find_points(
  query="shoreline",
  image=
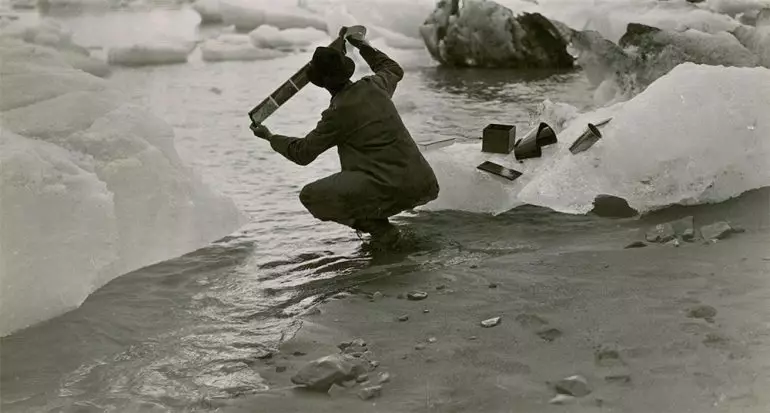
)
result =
(637, 324)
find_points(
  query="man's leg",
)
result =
(348, 198)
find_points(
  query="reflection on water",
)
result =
(175, 335)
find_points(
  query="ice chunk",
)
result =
(756, 39)
(248, 15)
(556, 115)
(59, 230)
(735, 7)
(235, 47)
(209, 11)
(610, 17)
(51, 34)
(397, 16)
(150, 54)
(455, 169)
(272, 38)
(719, 151)
(90, 188)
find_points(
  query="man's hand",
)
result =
(356, 36)
(261, 131)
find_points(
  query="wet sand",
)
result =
(633, 322)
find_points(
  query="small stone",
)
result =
(718, 230)
(321, 374)
(369, 393)
(374, 364)
(661, 233)
(299, 353)
(419, 347)
(359, 342)
(404, 356)
(215, 90)
(702, 311)
(635, 244)
(688, 235)
(674, 243)
(403, 318)
(549, 334)
(561, 399)
(362, 378)
(440, 287)
(576, 386)
(618, 378)
(432, 340)
(344, 345)
(472, 338)
(377, 295)
(280, 369)
(492, 285)
(606, 356)
(491, 322)
(474, 266)
(417, 295)
(531, 320)
(384, 377)
(425, 311)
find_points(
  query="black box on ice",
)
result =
(498, 138)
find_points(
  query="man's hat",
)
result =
(330, 68)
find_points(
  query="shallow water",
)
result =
(174, 336)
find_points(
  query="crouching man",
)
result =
(383, 172)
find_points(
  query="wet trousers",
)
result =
(356, 200)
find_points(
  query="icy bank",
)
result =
(146, 54)
(610, 17)
(270, 37)
(228, 47)
(248, 15)
(48, 33)
(209, 11)
(699, 134)
(91, 188)
(402, 17)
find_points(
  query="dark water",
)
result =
(173, 336)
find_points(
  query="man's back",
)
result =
(377, 142)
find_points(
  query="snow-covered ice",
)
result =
(699, 134)
(235, 47)
(150, 54)
(270, 37)
(209, 10)
(49, 33)
(248, 15)
(90, 188)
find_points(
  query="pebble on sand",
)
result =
(370, 392)
(636, 244)
(717, 230)
(661, 233)
(419, 346)
(321, 374)
(576, 386)
(549, 334)
(417, 295)
(403, 318)
(492, 285)
(431, 340)
(491, 322)
(384, 377)
(702, 311)
(377, 295)
(561, 399)
(426, 311)
(362, 378)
